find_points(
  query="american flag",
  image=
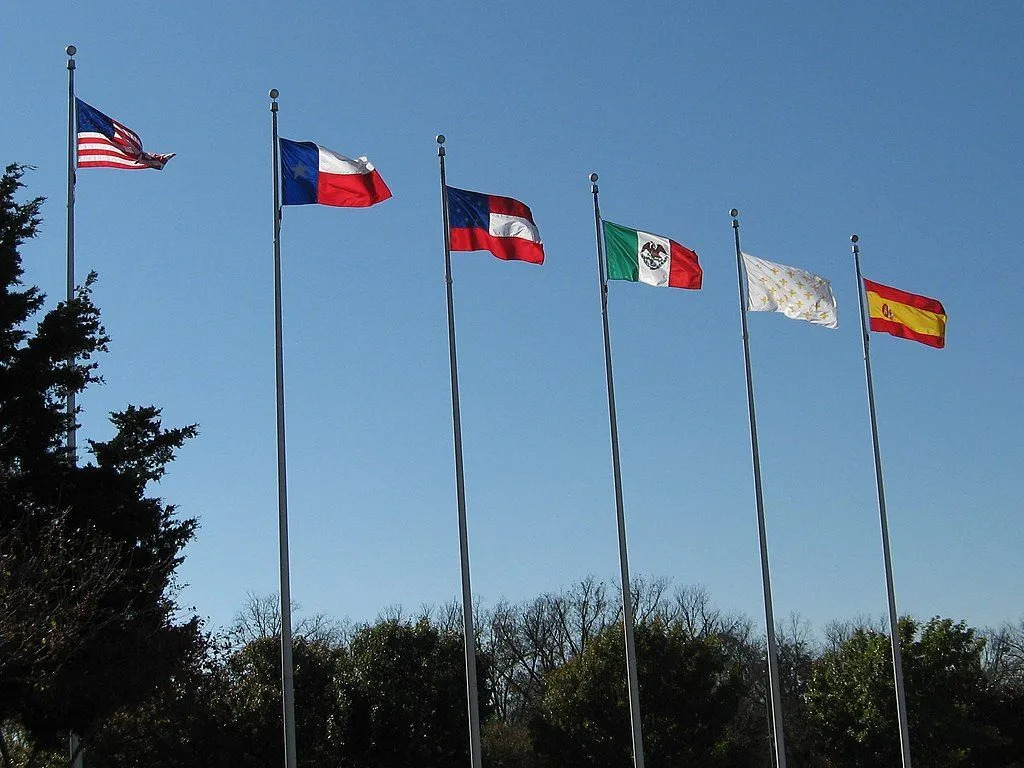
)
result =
(105, 143)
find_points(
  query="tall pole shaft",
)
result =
(636, 729)
(72, 153)
(775, 688)
(74, 744)
(287, 668)
(468, 626)
(894, 634)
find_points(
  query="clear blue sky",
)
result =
(901, 122)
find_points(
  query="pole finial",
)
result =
(71, 50)
(854, 239)
(734, 212)
(593, 178)
(274, 93)
(439, 138)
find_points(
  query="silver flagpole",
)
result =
(778, 732)
(72, 152)
(74, 745)
(894, 634)
(287, 671)
(468, 627)
(636, 729)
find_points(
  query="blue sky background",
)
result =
(900, 122)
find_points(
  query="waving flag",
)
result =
(652, 259)
(500, 225)
(797, 294)
(106, 143)
(311, 174)
(906, 315)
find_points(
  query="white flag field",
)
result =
(793, 292)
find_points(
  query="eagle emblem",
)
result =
(654, 255)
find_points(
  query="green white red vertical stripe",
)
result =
(652, 259)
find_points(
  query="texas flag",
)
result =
(312, 174)
(500, 225)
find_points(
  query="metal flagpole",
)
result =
(468, 627)
(620, 519)
(778, 732)
(74, 744)
(287, 671)
(894, 634)
(72, 141)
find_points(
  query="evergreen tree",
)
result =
(87, 559)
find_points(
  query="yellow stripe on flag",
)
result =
(917, 320)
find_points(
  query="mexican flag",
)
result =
(646, 258)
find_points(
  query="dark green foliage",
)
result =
(87, 559)
(406, 688)
(690, 692)
(185, 721)
(393, 694)
(254, 699)
(852, 703)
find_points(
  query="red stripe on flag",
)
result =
(509, 207)
(882, 325)
(684, 270)
(910, 299)
(351, 190)
(505, 248)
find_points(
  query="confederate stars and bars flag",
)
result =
(106, 143)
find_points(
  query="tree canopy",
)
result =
(87, 614)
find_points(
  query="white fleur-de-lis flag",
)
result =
(793, 292)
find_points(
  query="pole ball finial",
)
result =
(274, 93)
(439, 138)
(854, 238)
(734, 212)
(71, 50)
(593, 177)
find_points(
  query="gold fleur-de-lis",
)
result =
(774, 270)
(783, 281)
(792, 292)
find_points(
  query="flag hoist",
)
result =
(894, 634)
(636, 729)
(778, 732)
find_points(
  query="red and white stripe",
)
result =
(124, 151)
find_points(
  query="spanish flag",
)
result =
(906, 315)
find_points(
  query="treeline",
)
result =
(392, 692)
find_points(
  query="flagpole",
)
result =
(636, 729)
(70, 405)
(287, 671)
(74, 744)
(468, 627)
(894, 634)
(778, 732)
